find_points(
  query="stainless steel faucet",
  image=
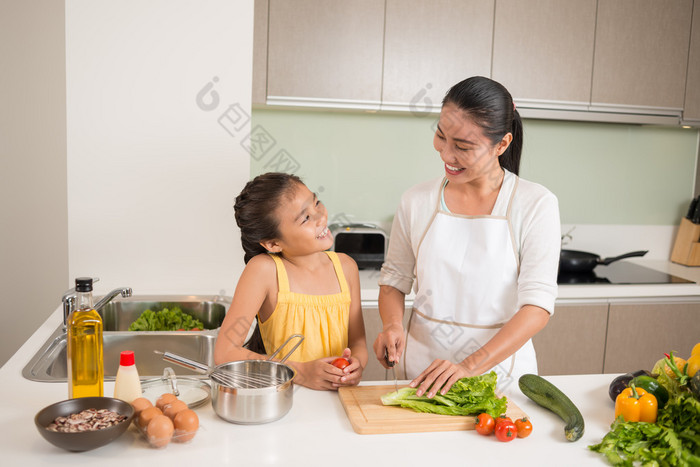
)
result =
(68, 300)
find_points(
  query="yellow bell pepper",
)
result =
(636, 405)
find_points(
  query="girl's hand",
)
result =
(390, 340)
(439, 376)
(320, 374)
(353, 372)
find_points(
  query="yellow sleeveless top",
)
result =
(321, 319)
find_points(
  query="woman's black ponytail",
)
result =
(255, 210)
(491, 106)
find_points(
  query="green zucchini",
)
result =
(550, 397)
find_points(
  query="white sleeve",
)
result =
(398, 268)
(540, 247)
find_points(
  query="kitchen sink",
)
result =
(49, 363)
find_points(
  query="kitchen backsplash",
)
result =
(360, 163)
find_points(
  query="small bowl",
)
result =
(84, 440)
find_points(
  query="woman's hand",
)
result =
(439, 376)
(390, 341)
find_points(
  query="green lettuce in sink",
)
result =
(468, 396)
(165, 320)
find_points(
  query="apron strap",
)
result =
(510, 224)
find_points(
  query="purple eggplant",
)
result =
(621, 382)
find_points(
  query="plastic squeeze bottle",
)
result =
(85, 354)
(127, 386)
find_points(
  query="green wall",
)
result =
(360, 163)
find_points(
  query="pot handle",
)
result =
(301, 339)
(607, 261)
(185, 362)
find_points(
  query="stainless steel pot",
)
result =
(248, 392)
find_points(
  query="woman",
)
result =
(481, 245)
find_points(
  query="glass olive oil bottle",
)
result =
(85, 354)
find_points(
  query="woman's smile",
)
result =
(453, 170)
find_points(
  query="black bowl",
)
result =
(84, 440)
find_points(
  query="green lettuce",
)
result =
(673, 440)
(165, 320)
(468, 396)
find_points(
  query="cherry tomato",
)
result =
(524, 427)
(506, 431)
(340, 362)
(501, 419)
(485, 424)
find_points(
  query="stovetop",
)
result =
(621, 272)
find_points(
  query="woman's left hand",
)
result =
(439, 376)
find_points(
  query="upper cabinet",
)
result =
(325, 51)
(641, 53)
(691, 111)
(429, 46)
(631, 61)
(260, 51)
(543, 50)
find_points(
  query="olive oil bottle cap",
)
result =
(83, 284)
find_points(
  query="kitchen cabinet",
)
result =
(573, 340)
(260, 52)
(639, 333)
(691, 110)
(325, 51)
(430, 46)
(543, 49)
(593, 60)
(641, 53)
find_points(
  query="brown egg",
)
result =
(140, 404)
(147, 415)
(186, 425)
(160, 431)
(164, 400)
(173, 408)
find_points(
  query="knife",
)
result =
(691, 208)
(696, 214)
(393, 369)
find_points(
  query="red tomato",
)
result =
(506, 431)
(485, 424)
(501, 419)
(195, 329)
(524, 427)
(340, 362)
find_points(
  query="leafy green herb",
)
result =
(467, 396)
(165, 320)
(673, 440)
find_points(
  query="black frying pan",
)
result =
(582, 261)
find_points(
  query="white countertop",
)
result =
(593, 292)
(315, 432)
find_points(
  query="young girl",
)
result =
(294, 286)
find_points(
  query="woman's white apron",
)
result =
(466, 290)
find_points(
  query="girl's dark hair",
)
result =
(255, 210)
(491, 106)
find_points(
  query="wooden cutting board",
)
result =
(367, 415)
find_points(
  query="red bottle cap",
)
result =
(126, 358)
